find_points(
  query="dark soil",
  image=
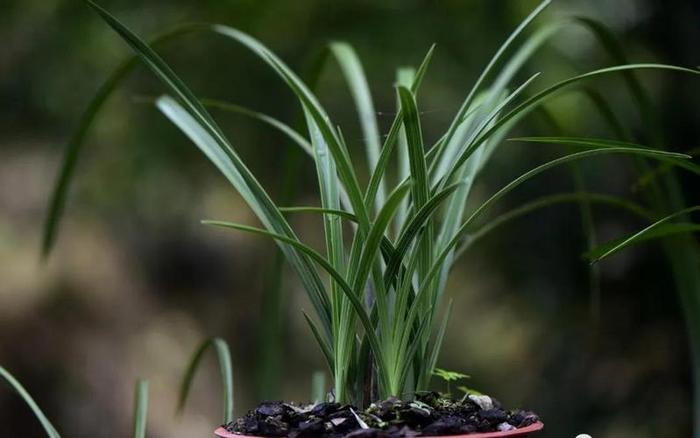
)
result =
(429, 414)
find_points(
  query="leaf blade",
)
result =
(223, 356)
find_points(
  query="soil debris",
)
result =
(428, 414)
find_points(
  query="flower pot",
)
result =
(522, 432)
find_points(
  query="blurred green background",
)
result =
(135, 282)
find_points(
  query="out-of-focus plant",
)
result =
(378, 320)
(140, 406)
(22, 392)
(140, 415)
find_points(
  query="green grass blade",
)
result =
(303, 209)
(404, 77)
(141, 409)
(407, 352)
(318, 387)
(359, 88)
(333, 232)
(658, 229)
(394, 130)
(435, 350)
(223, 356)
(420, 190)
(416, 151)
(19, 389)
(74, 146)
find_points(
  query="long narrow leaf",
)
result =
(74, 146)
(141, 409)
(223, 356)
(359, 88)
(38, 413)
(658, 229)
(394, 130)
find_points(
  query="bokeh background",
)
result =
(135, 282)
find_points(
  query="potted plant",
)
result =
(390, 241)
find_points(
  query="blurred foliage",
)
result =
(136, 282)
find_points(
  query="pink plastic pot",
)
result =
(522, 432)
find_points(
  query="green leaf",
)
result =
(393, 134)
(19, 389)
(658, 229)
(223, 356)
(355, 77)
(318, 387)
(404, 77)
(435, 351)
(416, 152)
(75, 144)
(303, 209)
(449, 376)
(141, 409)
(419, 173)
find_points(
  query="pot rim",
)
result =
(221, 432)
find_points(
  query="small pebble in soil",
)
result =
(429, 414)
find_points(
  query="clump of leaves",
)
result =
(378, 318)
